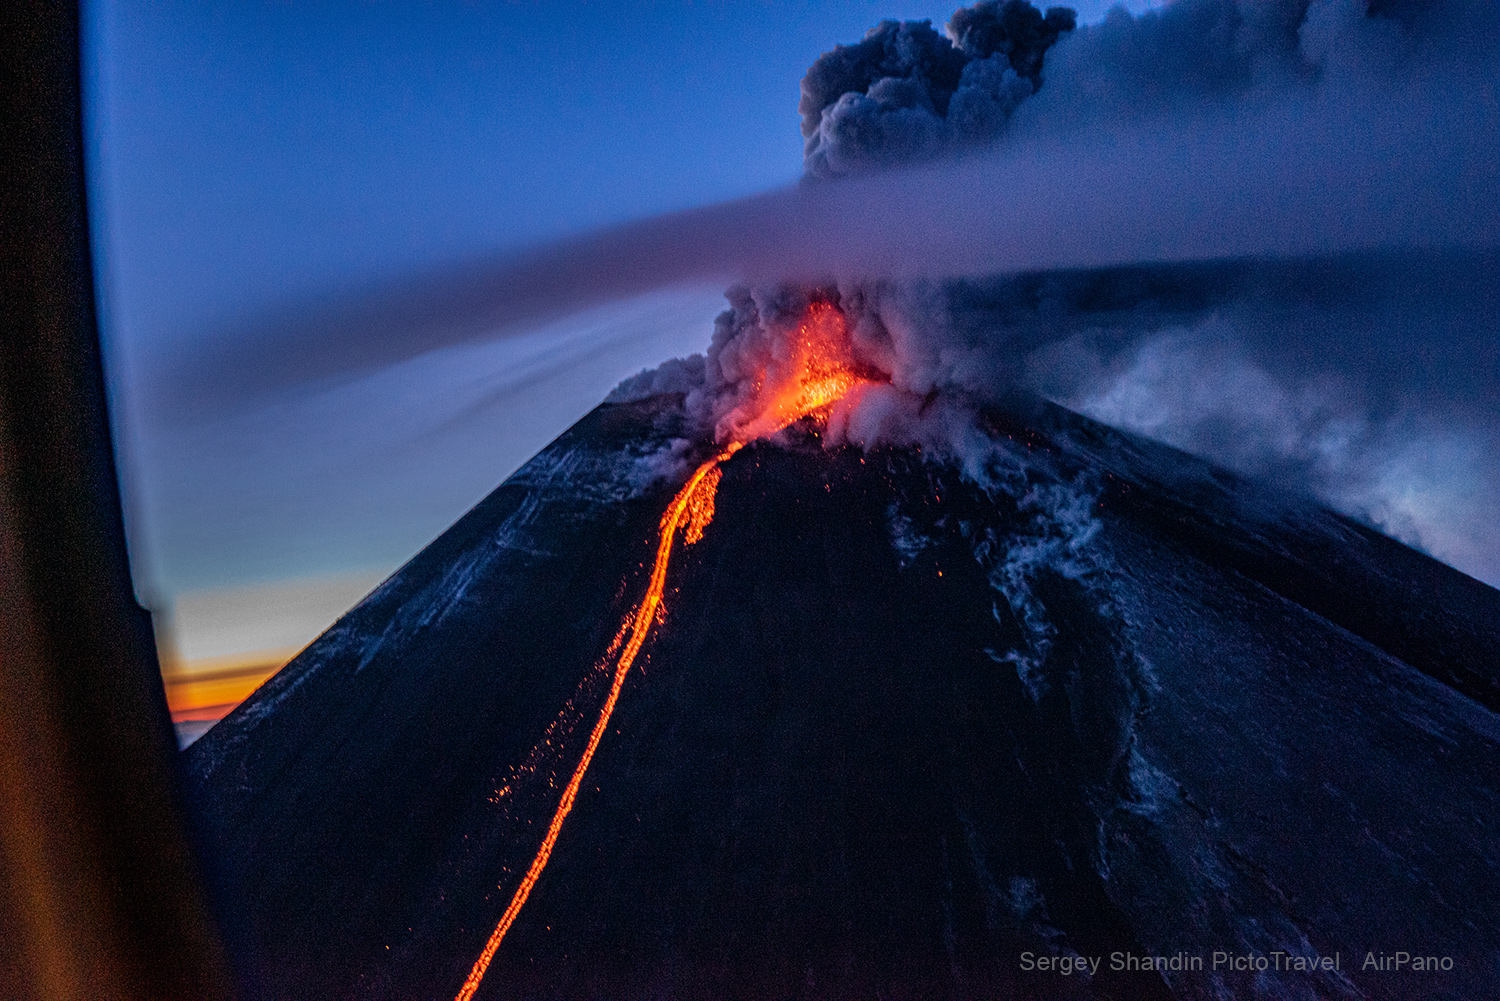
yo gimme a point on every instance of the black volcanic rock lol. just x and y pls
(894, 731)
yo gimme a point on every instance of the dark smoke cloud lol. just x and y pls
(906, 93)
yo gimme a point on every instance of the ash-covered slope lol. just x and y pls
(894, 732)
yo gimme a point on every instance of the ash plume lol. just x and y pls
(907, 93)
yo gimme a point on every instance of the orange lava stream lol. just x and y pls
(818, 372)
(696, 501)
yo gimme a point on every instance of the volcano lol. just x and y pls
(1113, 724)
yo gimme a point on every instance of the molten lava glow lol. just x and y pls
(817, 372)
(695, 501)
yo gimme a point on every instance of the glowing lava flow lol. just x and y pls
(696, 500)
(815, 371)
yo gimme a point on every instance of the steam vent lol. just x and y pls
(886, 733)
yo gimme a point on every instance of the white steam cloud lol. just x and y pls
(1431, 481)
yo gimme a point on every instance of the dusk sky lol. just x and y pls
(255, 162)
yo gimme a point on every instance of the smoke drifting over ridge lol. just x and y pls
(1370, 380)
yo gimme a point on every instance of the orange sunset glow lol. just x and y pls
(210, 689)
(218, 645)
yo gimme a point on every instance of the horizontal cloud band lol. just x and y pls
(1290, 180)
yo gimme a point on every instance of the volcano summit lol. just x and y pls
(907, 722)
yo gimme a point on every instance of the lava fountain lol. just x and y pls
(812, 369)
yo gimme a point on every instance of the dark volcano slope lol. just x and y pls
(896, 730)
